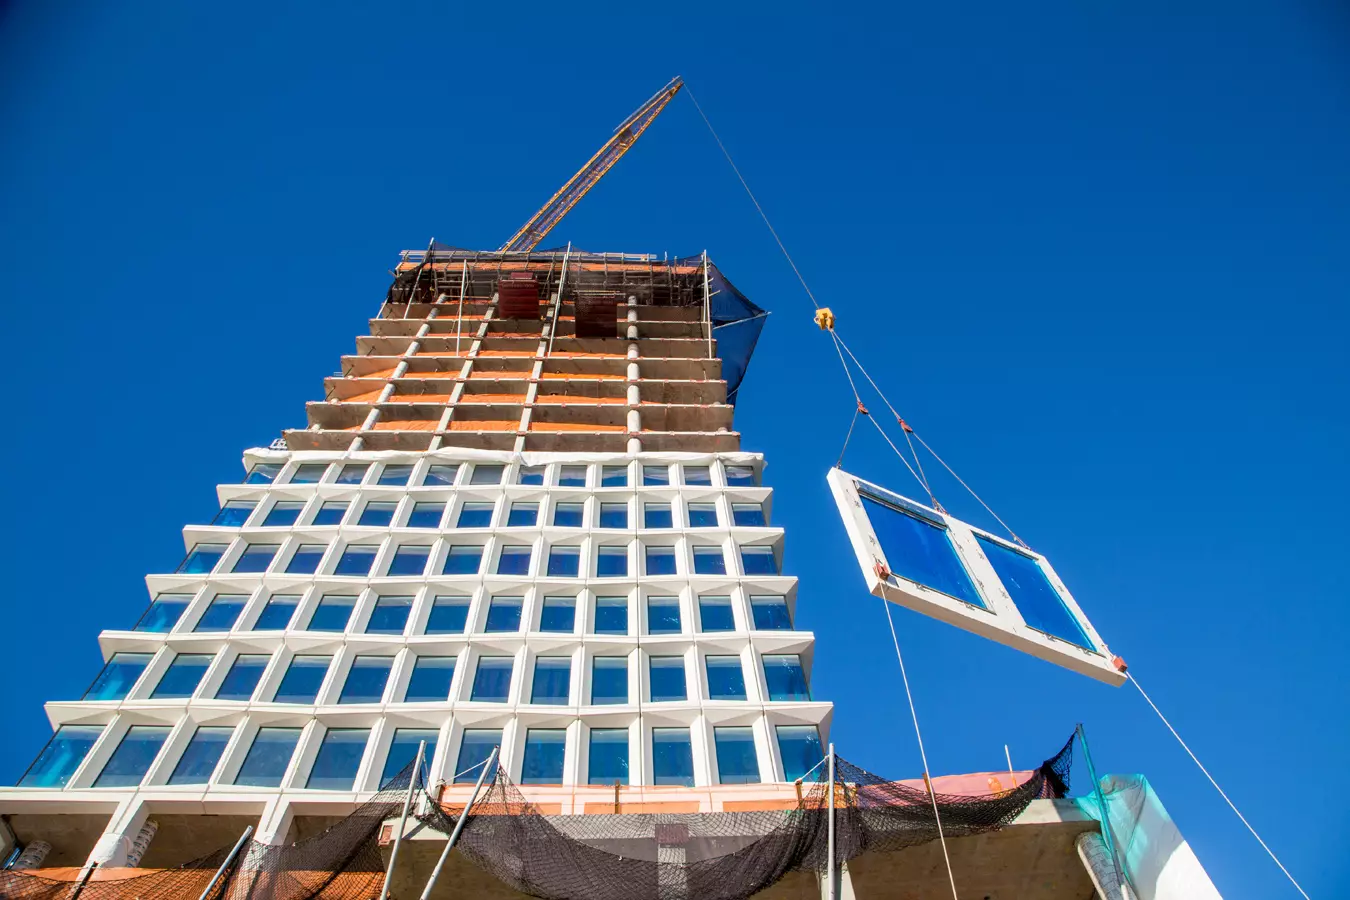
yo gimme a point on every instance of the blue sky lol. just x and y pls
(1095, 252)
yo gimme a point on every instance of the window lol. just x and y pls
(353, 473)
(709, 561)
(667, 679)
(449, 615)
(492, 681)
(657, 515)
(474, 749)
(697, 475)
(568, 515)
(504, 615)
(118, 676)
(672, 757)
(771, 613)
(202, 755)
(660, 560)
(748, 514)
(61, 757)
(614, 476)
(302, 680)
(558, 615)
(309, 473)
(564, 561)
(523, 515)
(702, 515)
(242, 679)
(799, 745)
(356, 560)
(377, 514)
(234, 513)
(552, 680)
(267, 760)
(740, 476)
(714, 613)
(611, 615)
(133, 756)
(395, 475)
(463, 559)
(390, 615)
(330, 513)
(655, 475)
(759, 561)
(483, 474)
(441, 475)
(530, 475)
(180, 680)
(571, 476)
(306, 559)
(366, 679)
(403, 750)
(545, 752)
(426, 515)
(737, 762)
(784, 677)
(613, 515)
(339, 757)
(475, 514)
(1032, 593)
(283, 513)
(277, 614)
(920, 551)
(514, 560)
(333, 613)
(663, 615)
(164, 612)
(201, 559)
(609, 756)
(611, 562)
(263, 473)
(609, 680)
(726, 681)
(255, 558)
(222, 613)
(409, 559)
(430, 680)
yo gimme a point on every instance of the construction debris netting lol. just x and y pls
(710, 856)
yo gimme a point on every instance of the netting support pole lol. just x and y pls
(831, 875)
(403, 820)
(1107, 837)
(243, 839)
(459, 826)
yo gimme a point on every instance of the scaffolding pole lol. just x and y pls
(557, 306)
(459, 826)
(226, 864)
(831, 892)
(403, 820)
(707, 304)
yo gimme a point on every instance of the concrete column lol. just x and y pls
(1101, 868)
(634, 377)
(275, 822)
(110, 851)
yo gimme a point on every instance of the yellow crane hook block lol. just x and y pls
(825, 318)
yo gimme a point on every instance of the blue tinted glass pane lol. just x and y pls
(715, 614)
(558, 615)
(657, 516)
(514, 560)
(784, 678)
(655, 475)
(356, 560)
(702, 515)
(564, 562)
(612, 562)
(740, 476)
(133, 756)
(492, 681)
(697, 475)
(568, 515)
(609, 680)
(339, 757)
(395, 475)
(403, 750)
(366, 679)
(276, 615)
(243, 677)
(118, 676)
(222, 613)
(572, 476)
(552, 680)
(530, 475)
(255, 558)
(484, 474)
(426, 515)
(523, 515)
(234, 513)
(302, 680)
(1033, 594)
(263, 473)
(660, 560)
(672, 756)
(667, 678)
(309, 473)
(609, 756)
(430, 681)
(440, 475)
(611, 615)
(61, 757)
(613, 515)
(920, 551)
(283, 513)
(726, 681)
(202, 559)
(474, 748)
(306, 558)
(799, 745)
(709, 561)
(331, 513)
(504, 614)
(390, 615)
(352, 473)
(268, 758)
(377, 514)
(545, 752)
(182, 677)
(164, 613)
(614, 476)
(449, 615)
(463, 560)
(474, 515)
(332, 613)
(736, 759)
(758, 561)
(202, 755)
(410, 559)
(749, 514)
(771, 613)
(663, 615)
